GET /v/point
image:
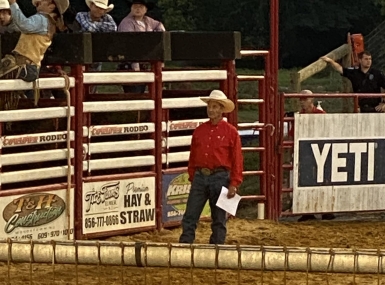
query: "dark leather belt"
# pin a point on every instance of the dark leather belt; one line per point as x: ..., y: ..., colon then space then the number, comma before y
x: 208, y: 171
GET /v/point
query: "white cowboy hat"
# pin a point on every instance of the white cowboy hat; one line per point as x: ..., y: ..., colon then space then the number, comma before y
x: 61, y: 5
x: 219, y: 96
x: 103, y: 4
x: 4, y: 4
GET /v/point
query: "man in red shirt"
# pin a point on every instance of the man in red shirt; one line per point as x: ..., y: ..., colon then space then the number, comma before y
x: 215, y: 160
x: 307, y: 104
x: 307, y: 107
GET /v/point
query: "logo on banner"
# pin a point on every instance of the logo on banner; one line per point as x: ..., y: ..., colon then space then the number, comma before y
x: 341, y: 162
x: 178, y: 190
x: 178, y: 126
x: 107, y: 195
x: 175, y: 197
x: 32, y: 210
x: 32, y: 139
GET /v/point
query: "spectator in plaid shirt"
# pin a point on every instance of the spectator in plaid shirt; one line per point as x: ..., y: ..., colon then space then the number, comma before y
x: 97, y: 19
x: 94, y: 21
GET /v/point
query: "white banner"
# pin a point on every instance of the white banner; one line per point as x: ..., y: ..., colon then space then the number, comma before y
x: 38, y: 216
x: 118, y: 205
x: 339, y: 163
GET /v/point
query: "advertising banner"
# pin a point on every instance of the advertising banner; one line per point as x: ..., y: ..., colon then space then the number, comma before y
x: 38, y: 216
x: 176, y: 189
x: 339, y: 163
x: 118, y: 205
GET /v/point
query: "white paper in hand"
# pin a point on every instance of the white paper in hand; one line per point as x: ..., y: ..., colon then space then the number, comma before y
x: 229, y: 205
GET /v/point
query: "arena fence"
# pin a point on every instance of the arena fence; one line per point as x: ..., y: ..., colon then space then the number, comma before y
x: 121, y: 171
x: 253, y: 263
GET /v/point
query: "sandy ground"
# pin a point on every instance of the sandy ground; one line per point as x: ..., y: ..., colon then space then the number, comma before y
x: 344, y: 232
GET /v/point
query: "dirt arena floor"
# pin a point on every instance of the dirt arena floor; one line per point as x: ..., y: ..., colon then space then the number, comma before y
x: 354, y: 231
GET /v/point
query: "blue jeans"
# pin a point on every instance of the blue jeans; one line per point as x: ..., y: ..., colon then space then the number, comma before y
x: 205, y: 188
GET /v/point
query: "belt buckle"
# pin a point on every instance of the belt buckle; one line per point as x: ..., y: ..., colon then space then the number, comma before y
x: 206, y: 171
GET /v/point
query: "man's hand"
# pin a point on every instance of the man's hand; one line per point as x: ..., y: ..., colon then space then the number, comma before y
x: 232, y: 192
x: 333, y: 64
x: 11, y: 2
x: 380, y: 108
x: 326, y: 59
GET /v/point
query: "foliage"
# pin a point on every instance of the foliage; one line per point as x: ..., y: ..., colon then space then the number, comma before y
x: 381, y: 4
x: 178, y: 15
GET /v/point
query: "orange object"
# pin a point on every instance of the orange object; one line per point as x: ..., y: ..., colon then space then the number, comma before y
x: 357, y: 41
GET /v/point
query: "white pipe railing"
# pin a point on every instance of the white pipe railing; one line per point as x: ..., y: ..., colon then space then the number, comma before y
x: 195, y: 256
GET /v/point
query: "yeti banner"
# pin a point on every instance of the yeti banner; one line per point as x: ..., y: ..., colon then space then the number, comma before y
x: 341, y: 162
x: 338, y: 163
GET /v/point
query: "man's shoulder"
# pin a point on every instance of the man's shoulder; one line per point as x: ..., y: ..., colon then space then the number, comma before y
x: 376, y: 71
x: 107, y: 16
x: 229, y: 126
x: 318, y: 111
x: 126, y: 20
x: 203, y: 125
x: 149, y: 19
x: 81, y: 14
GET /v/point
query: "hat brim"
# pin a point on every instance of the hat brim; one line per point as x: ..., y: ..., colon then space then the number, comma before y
x: 62, y: 7
x: 100, y: 5
x: 149, y: 5
x: 228, y: 105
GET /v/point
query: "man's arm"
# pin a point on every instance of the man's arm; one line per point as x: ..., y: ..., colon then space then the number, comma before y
x: 36, y: 24
x: 157, y: 26
x: 236, y: 175
x: 334, y: 64
x: 108, y: 24
x: 86, y: 26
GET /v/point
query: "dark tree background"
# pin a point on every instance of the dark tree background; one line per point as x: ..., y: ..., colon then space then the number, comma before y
x: 308, y: 29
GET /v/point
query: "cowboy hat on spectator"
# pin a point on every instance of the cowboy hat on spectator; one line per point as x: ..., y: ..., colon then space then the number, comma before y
x: 103, y: 4
x: 149, y: 5
x: 4, y: 5
x: 220, y: 97
x: 61, y: 5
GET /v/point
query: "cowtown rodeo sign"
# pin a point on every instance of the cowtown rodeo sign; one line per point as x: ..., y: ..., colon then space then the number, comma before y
x: 33, y: 139
x: 37, y: 216
x: 118, y: 205
x: 339, y: 167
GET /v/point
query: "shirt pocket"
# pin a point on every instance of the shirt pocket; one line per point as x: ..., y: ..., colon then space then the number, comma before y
x: 225, y: 143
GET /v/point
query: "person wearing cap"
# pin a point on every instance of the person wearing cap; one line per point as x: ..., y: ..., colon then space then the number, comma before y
x: 307, y: 107
x: 36, y: 36
x: 215, y: 160
x: 37, y: 31
x: 137, y: 21
x: 307, y: 104
x: 5, y: 15
x: 97, y: 19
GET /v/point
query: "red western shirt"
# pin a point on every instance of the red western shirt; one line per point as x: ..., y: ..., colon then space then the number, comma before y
x: 313, y: 111
x: 214, y: 146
